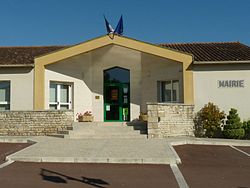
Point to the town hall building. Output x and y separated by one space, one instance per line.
115 78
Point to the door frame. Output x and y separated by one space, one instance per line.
120 101
106 85
120 82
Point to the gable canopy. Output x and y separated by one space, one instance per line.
117 40
40 62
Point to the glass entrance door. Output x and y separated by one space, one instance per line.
116 95
116 102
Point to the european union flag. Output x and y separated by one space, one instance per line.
119 27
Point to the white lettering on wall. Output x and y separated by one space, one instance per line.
230 83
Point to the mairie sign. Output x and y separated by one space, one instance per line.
230 83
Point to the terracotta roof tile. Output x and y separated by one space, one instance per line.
23 55
220 51
223 51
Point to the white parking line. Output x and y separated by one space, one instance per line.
178 176
240 151
6 164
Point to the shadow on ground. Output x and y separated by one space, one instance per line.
56 177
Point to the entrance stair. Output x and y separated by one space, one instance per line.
105 130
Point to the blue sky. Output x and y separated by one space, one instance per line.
60 22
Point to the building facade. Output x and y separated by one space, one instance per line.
115 78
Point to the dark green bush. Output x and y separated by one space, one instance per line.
233 127
208 121
246 127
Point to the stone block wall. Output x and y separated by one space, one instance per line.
165 120
34 123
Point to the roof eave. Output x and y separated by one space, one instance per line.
105 40
16 65
220 62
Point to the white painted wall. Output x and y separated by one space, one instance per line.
21 89
158 69
76 71
206 88
85 72
108 57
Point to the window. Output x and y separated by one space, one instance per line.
60 96
168 91
4 95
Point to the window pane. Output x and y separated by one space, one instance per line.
175 91
4 107
64 93
166 91
5 91
53 93
117 74
64 107
52 106
159 93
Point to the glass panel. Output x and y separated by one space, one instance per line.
5 91
64 107
125 89
52 106
159 91
116 75
117 94
166 95
175 91
125 99
112 95
53 93
4 107
64 93
113 113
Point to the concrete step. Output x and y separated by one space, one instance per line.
93 133
110 124
105 136
69 128
104 130
57 135
63 132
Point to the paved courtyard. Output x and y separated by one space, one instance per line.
219 164
214 166
49 175
9 148
142 151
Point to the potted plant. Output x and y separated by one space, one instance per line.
143 116
85 117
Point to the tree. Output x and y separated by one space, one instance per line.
208 121
246 127
233 127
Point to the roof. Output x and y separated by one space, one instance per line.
214 51
105 40
203 52
23 55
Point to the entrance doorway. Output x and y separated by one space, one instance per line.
117 94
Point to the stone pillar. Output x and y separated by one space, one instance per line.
166 119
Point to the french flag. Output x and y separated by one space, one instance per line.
108 26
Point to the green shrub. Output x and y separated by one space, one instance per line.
233 127
208 121
246 127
